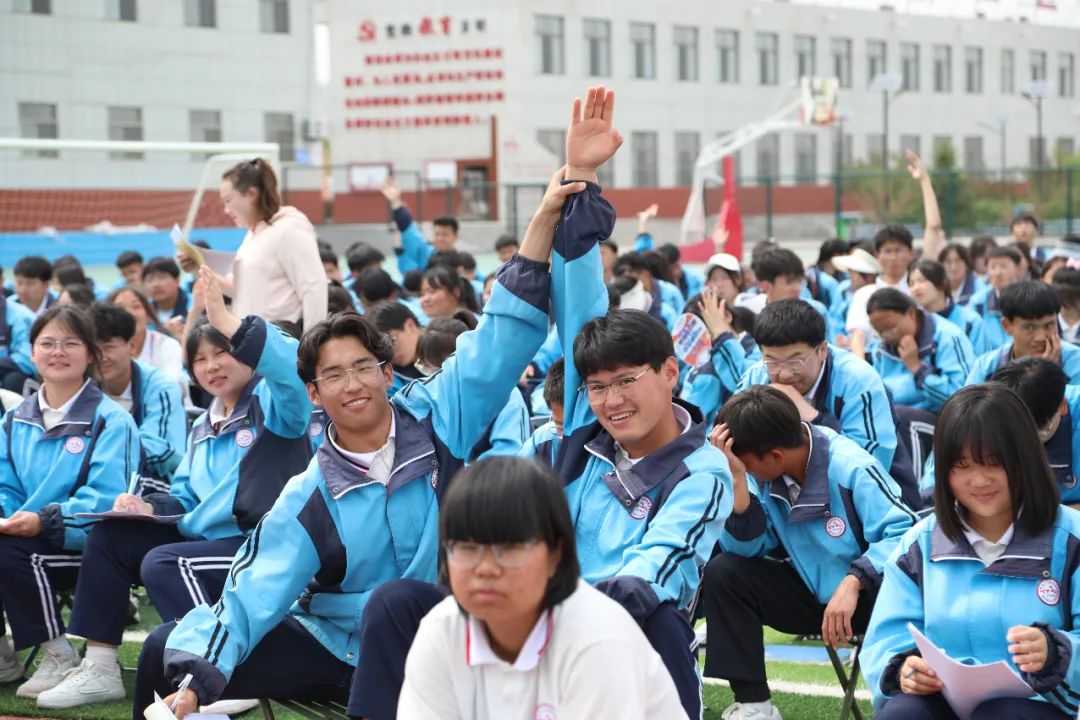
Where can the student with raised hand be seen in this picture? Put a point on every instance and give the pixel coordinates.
(990, 576)
(415, 250)
(710, 385)
(933, 232)
(1003, 266)
(66, 449)
(960, 271)
(824, 502)
(286, 622)
(520, 630)
(16, 365)
(1029, 319)
(922, 358)
(929, 286)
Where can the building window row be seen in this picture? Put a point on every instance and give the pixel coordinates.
(273, 14)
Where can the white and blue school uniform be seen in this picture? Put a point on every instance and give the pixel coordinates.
(822, 286)
(945, 357)
(969, 323)
(47, 302)
(157, 406)
(415, 251)
(710, 385)
(965, 594)
(15, 324)
(987, 305)
(57, 462)
(972, 285)
(986, 364)
(543, 444)
(233, 470)
(507, 433)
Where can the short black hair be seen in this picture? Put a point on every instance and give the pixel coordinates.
(128, 257)
(1004, 251)
(161, 264)
(1066, 284)
(340, 325)
(447, 221)
(412, 280)
(446, 258)
(505, 500)
(658, 265)
(961, 252)
(327, 255)
(504, 241)
(112, 321)
(1029, 299)
(651, 261)
(1022, 218)
(610, 245)
(389, 316)
(69, 274)
(375, 285)
(33, 266)
(934, 272)
(743, 320)
(438, 341)
(1039, 382)
(445, 278)
(893, 233)
(555, 383)
(140, 295)
(468, 261)
(81, 295)
(338, 298)
(201, 242)
(203, 330)
(789, 322)
(79, 323)
(831, 248)
(360, 255)
(890, 300)
(777, 262)
(670, 252)
(992, 424)
(980, 246)
(762, 418)
(620, 338)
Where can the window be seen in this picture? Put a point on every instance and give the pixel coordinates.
(687, 148)
(805, 56)
(205, 127)
(973, 70)
(1038, 66)
(34, 7)
(1065, 75)
(37, 121)
(873, 148)
(843, 151)
(605, 174)
(909, 66)
(200, 13)
(876, 60)
(768, 47)
(942, 144)
(280, 129)
(643, 42)
(727, 56)
(554, 141)
(841, 61)
(686, 53)
(912, 143)
(942, 69)
(645, 162)
(768, 157)
(1008, 71)
(1036, 151)
(122, 10)
(973, 154)
(598, 48)
(125, 123)
(806, 158)
(549, 46)
(1064, 148)
(274, 16)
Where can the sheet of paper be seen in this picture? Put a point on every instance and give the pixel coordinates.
(125, 515)
(965, 686)
(185, 248)
(158, 710)
(205, 716)
(219, 261)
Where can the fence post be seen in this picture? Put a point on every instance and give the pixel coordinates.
(950, 202)
(838, 204)
(1069, 198)
(768, 207)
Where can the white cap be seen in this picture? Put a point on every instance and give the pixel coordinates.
(726, 261)
(858, 261)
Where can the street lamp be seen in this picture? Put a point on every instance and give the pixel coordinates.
(886, 83)
(1034, 95)
(1000, 120)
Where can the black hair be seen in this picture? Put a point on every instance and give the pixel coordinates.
(504, 500)
(446, 221)
(831, 248)
(762, 418)
(777, 262)
(33, 266)
(670, 252)
(360, 255)
(993, 425)
(340, 325)
(1066, 284)
(621, 338)
(610, 245)
(890, 300)
(202, 330)
(327, 255)
(505, 241)
(736, 276)
(389, 316)
(934, 272)
(112, 321)
(1039, 382)
(79, 323)
(200, 242)
(375, 285)
(412, 280)
(70, 275)
(980, 246)
(446, 258)
(961, 252)
(789, 322)
(1004, 251)
(555, 383)
(258, 174)
(893, 233)
(467, 318)
(1024, 218)
(338, 298)
(613, 296)
(161, 264)
(128, 257)
(81, 295)
(439, 340)
(658, 265)
(761, 247)
(1030, 300)
(140, 295)
(468, 261)
(442, 277)
(743, 320)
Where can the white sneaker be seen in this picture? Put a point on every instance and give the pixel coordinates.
(87, 684)
(738, 711)
(228, 707)
(49, 673)
(11, 668)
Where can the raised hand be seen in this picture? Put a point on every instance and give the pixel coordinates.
(714, 313)
(914, 165)
(556, 193)
(391, 192)
(719, 238)
(213, 300)
(591, 140)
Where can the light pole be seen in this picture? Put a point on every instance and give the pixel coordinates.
(886, 83)
(1034, 95)
(1000, 120)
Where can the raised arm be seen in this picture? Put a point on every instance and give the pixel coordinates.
(934, 236)
(415, 249)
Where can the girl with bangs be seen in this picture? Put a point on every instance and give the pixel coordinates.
(988, 577)
(521, 636)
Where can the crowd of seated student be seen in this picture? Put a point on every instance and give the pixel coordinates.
(343, 533)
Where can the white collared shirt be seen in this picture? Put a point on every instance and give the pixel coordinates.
(623, 461)
(125, 399)
(378, 463)
(817, 383)
(478, 646)
(50, 416)
(987, 550)
(1071, 333)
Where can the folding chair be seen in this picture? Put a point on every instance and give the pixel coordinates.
(849, 683)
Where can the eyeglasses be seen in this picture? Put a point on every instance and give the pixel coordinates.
(338, 380)
(598, 391)
(468, 555)
(51, 346)
(793, 364)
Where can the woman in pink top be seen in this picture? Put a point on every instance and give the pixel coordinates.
(277, 273)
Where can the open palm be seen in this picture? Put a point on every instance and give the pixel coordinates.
(591, 139)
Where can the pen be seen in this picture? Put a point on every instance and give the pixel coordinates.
(909, 674)
(133, 484)
(180, 691)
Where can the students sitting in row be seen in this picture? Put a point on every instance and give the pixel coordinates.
(964, 282)
(930, 288)
(16, 366)
(1003, 266)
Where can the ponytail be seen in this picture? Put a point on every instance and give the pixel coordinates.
(260, 175)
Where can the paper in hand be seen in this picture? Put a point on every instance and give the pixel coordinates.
(191, 252)
(126, 515)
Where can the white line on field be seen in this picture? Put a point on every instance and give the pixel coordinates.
(800, 688)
